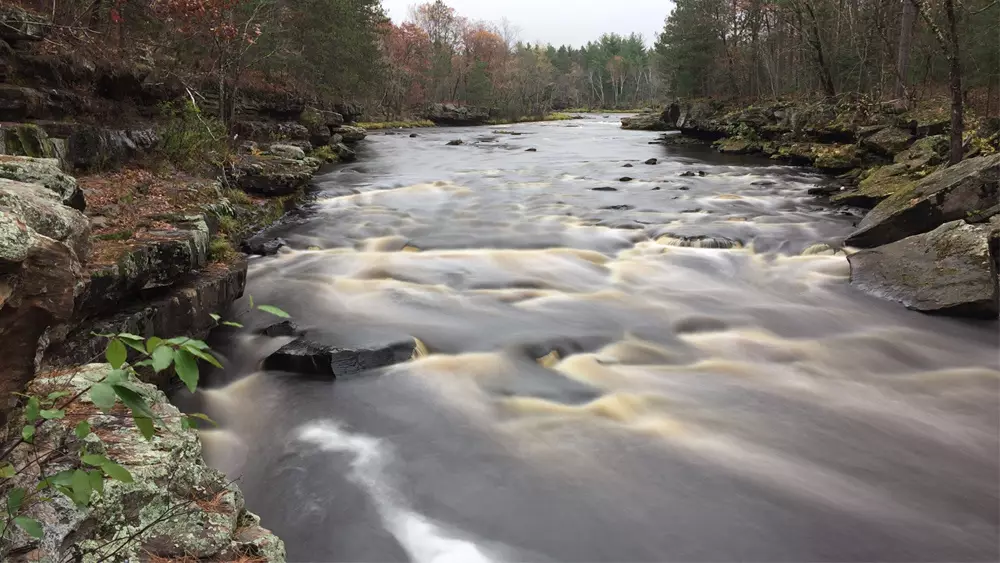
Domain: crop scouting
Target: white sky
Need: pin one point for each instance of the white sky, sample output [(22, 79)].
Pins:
[(570, 22)]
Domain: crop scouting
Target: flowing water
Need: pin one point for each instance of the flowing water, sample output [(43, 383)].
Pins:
[(665, 369)]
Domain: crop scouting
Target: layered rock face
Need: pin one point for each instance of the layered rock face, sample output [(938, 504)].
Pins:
[(176, 507)]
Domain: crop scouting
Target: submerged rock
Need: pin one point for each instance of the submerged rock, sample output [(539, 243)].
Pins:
[(177, 506), (625, 179), (455, 142), (262, 245), (651, 161), (308, 356), (604, 189), (949, 270), (531, 150), (971, 187), (699, 241)]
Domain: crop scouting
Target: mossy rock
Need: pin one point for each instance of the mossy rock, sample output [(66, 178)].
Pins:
[(737, 145), (877, 185), (28, 139)]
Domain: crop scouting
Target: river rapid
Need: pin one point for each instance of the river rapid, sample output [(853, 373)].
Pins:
[(662, 369)]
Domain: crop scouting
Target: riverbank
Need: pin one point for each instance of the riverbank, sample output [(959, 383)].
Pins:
[(932, 233)]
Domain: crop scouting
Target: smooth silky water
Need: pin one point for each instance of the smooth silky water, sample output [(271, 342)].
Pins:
[(670, 371)]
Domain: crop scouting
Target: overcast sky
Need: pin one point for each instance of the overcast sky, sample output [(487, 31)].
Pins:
[(571, 22)]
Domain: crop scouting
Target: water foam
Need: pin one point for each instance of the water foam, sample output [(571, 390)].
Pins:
[(424, 540)]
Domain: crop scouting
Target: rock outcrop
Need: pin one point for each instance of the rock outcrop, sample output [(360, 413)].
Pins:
[(274, 176), (176, 506), (949, 270), (44, 171), (645, 121), (451, 114), (970, 188)]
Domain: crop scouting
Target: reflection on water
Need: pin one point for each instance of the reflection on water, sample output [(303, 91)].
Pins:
[(672, 368)]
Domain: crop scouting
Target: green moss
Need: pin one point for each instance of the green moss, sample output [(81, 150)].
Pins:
[(325, 153), (221, 250)]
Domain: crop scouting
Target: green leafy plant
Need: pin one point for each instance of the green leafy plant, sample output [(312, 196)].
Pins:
[(127, 354)]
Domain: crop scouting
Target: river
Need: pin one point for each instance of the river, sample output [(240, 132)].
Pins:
[(595, 382)]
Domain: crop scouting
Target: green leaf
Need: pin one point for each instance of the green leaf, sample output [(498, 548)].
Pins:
[(153, 343), (163, 356), (133, 401), (49, 414), (96, 460), (7, 471), (274, 311), (250, 297), (214, 317), (103, 396), (201, 416), (187, 369), (31, 410), (137, 346), (97, 480), (145, 425), (132, 337), (81, 487), (57, 395), (15, 498), (82, 429), (205, 356), (117, 472), (62, 478), (116, 353), (116, 376), (144, 364), (28, 433), (196, 344), (30, 526), (232, 324)]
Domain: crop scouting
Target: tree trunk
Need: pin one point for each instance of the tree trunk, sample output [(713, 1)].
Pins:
[(957, 124), (825, 76), (903, 54)]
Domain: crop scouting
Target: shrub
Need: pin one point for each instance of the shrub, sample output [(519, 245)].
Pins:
[(190, 139)]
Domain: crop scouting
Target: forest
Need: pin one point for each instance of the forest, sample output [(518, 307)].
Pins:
[(746, 50)]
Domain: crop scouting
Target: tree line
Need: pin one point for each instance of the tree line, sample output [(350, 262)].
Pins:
[(439, 56)]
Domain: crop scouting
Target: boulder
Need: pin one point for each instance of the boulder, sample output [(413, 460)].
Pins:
[(44, 171), (38, 280), (967, 188), (350, 133), (644, 122), (93, 148), (351, 112), (183, 508), (344, 153), (262, 245), (273, 176), (43, 211), (949, 270), (455, 142), (26, 139), (271, 131), (651, 161), (888, 142), (737, 145), (287, 151), (311, 356), (458, 115)]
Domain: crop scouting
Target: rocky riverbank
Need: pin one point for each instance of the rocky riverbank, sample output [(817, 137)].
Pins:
[(122, 206), (932, 235)]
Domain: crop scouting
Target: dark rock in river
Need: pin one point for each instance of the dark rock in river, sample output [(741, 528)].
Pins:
[(604, 189), (284, 328), (262, 245), (971, 187), (646, 121), (949, 270), (627, 165), (625, 179), (314, 358), (651, 161), (531, 150), (413, 135), (455, 142), (619, 207), (687, 174), (699, 241)]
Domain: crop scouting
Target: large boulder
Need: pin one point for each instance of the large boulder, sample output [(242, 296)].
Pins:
[(43, 211), (969, 188), (271, 131), (176, 506), (949, 270), (274, 176), (888, 142), (646, 121), (44, 171), (38, 281), (287, 151), (313, 354), (452, 114), (349, 133), (93, 148)]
